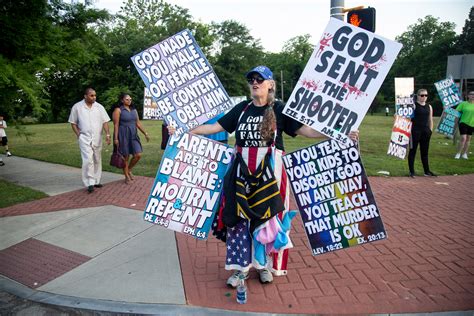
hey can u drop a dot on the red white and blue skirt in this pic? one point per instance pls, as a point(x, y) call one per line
point(239, 241)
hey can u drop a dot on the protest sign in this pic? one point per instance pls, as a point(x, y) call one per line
point(400, 139)
point(185, 195)
point(182, 82)
point(405, 110)
point(341, 79)
point(334, 197)
point(448, 92)
point(404, 102)
point(150, 108)
point(448, 123)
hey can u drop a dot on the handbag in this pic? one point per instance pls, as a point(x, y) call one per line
point(117, 160)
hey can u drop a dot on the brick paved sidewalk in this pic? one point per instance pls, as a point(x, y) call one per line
point(425, 265)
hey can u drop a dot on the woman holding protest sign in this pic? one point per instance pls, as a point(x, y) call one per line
point(126, 123)
point(466, 125)
point(421, 130)
point(257, 236)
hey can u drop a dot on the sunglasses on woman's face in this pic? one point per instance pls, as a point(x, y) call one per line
point(423, 95)
point(259, 80)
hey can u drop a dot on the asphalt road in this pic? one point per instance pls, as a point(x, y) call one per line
point(14, 306)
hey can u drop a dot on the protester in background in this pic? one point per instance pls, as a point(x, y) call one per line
point(126, 123)
point(421, 129)
point(3, 135)
point(88, 118)
point(223, 136)
point(259, 126)
point(466, 125)
point(164, 135)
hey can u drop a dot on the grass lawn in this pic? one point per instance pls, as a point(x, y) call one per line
point(57, 143)
point(11, 194)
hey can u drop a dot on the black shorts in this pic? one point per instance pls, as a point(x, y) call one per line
point(465, 129)
point(4, 141)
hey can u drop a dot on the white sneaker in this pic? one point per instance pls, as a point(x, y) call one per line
point(9, 154)
point(234, 279)
point(457, 156)
point(464, 156)
point(265, 276)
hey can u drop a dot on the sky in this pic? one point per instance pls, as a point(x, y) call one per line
point(276, 21)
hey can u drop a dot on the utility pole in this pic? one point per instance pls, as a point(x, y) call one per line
point(337, 7)
point(281, 85)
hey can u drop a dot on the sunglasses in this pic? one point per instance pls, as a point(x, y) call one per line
point(259, 80)
point(423, 95)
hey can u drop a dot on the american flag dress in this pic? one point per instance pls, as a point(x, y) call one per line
point(239, 241)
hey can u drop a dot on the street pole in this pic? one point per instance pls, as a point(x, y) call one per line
point(281, 85)
point(337, 7)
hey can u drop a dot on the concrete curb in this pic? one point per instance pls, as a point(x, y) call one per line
point(26, 293)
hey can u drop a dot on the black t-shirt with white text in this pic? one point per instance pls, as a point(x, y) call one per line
point(247, 129)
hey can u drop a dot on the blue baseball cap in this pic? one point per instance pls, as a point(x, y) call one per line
point(263, 71)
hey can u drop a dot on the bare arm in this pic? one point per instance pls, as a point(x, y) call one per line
point(76, 129)
point(116, 120)
point(307, 131)
point(311, 133)
point(431, 118)
point(105, 127)
point(140, 127)
point(205, 129)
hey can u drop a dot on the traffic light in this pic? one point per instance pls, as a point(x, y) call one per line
point(364, 18)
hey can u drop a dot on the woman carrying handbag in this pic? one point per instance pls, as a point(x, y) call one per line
point(126, 126)
point(117, 160)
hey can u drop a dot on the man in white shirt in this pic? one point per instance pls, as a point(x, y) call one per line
point(3, 137)
point(88, 118)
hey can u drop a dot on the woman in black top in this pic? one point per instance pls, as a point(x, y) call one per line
point(421, 129)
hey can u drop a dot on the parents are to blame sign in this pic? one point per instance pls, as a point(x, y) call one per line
point(185, 195)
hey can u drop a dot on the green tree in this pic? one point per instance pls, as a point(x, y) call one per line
point(25, 27)
point(42, 42)
point(235, 52)
point(290, 62)
point(138, 25)
point(426, 46)
point(465, 42)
